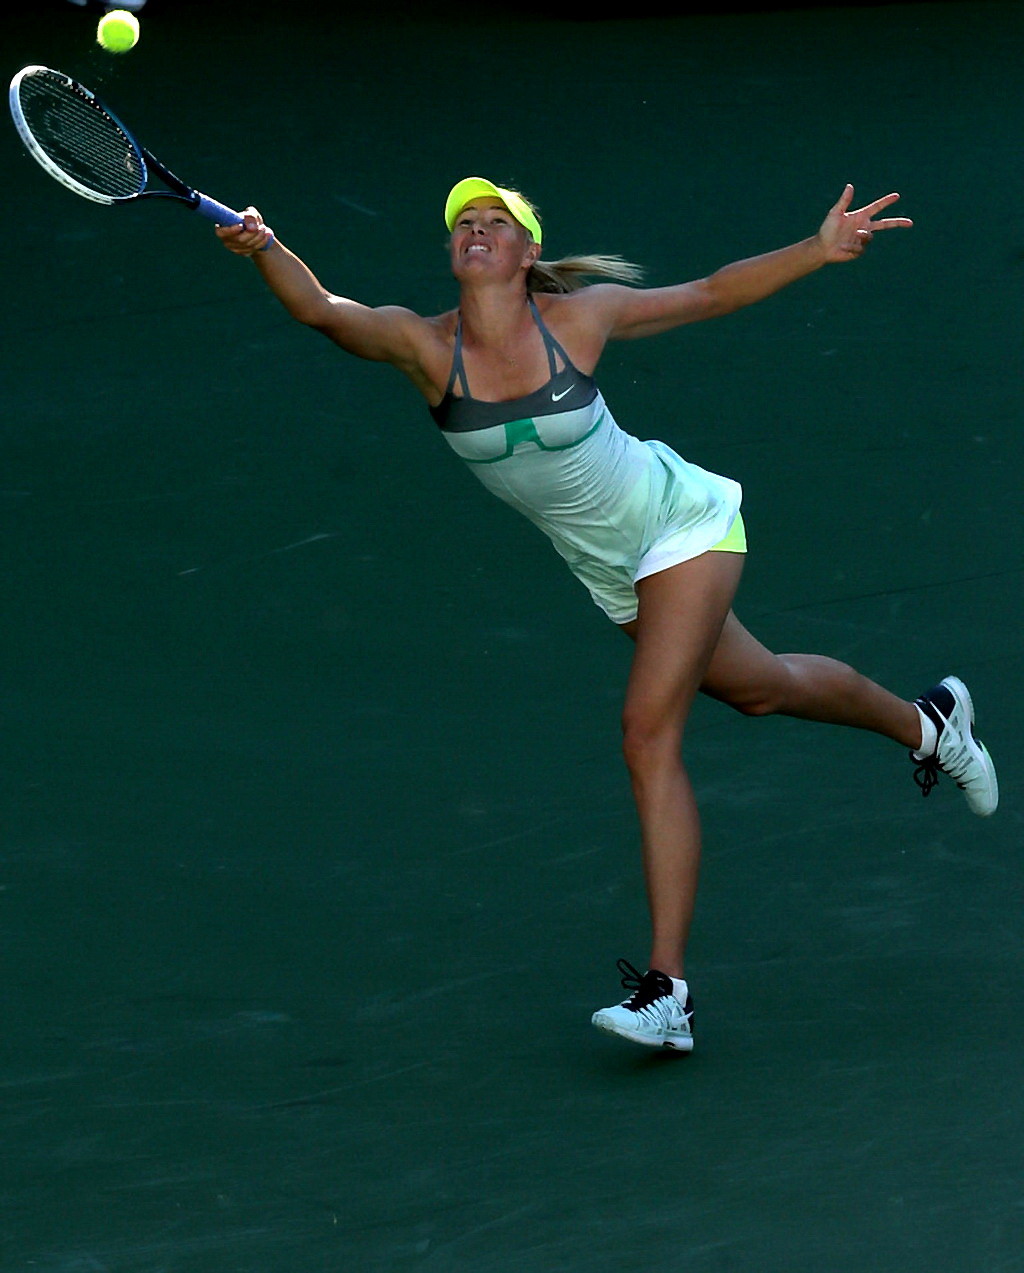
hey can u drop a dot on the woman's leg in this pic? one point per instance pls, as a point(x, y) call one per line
point(748, 677)
point(677, 630)
point(687, 638)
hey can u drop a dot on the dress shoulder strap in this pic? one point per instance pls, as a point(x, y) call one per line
point(458, 371)
point(550, 344)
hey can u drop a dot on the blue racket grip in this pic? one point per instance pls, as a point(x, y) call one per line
point(223, 215)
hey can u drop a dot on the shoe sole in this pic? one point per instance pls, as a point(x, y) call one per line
point(683, 1044)
point(985, 806)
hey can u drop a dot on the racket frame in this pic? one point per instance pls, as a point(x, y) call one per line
point(179, 190)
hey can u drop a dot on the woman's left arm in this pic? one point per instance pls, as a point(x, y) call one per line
point(633, 312)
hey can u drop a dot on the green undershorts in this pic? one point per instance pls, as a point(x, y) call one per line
point(735, 541)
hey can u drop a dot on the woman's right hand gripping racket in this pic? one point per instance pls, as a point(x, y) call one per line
point(83, 145)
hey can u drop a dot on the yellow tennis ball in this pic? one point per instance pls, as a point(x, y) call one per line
point(118, 31)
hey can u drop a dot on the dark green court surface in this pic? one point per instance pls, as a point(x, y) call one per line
point(317, 849)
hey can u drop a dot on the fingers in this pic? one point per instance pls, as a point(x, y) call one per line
point(853, 246)
point(253, 235)
point(871, 210)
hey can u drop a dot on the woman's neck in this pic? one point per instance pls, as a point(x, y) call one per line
point(493, 316)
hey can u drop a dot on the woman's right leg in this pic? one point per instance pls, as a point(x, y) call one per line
point(748, 677)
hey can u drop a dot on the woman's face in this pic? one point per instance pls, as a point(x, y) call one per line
point(488, 241)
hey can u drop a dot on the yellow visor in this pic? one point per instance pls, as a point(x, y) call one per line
point(479, 187)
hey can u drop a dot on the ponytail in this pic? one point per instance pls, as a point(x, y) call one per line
point(571, 272)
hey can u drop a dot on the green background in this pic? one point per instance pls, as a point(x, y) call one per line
point(317, 848)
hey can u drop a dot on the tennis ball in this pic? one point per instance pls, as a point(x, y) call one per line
point(118, 31)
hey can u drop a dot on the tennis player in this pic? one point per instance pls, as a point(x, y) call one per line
point(658, 541)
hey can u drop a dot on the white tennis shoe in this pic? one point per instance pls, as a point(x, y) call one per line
point(658, 1014)
point(958, 753)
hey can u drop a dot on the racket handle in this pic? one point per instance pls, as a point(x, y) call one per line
point(222, 214)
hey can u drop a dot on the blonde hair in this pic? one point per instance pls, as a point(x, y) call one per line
point(572, 272)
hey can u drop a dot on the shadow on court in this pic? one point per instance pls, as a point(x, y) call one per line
point(317, 848)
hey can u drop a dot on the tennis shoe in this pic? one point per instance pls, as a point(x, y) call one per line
point(958, 752)
point(658, 1013)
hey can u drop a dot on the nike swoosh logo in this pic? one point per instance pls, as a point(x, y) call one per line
point(557, 397)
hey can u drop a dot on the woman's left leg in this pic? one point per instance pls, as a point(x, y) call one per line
point(682, 611)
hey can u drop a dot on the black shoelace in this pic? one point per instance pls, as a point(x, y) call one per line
point(926, 775)
point(646, 987)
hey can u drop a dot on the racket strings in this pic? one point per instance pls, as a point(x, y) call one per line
point(80, 137)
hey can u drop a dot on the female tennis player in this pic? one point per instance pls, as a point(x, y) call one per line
point(658, 541)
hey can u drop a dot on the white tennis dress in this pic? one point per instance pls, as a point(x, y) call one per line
point(616, 508)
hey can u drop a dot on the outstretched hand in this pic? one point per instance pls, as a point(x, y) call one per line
point(844, 235)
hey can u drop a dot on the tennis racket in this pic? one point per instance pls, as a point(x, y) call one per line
point(83, 145)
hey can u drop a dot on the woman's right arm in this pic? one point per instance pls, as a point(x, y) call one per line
point(385, 334)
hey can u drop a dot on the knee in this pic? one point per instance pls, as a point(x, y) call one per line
point(768, 695)
point(648, 742)
point(755, 702)
point(790, 684)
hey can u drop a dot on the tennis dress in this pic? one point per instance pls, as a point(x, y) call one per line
point(617, 509)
